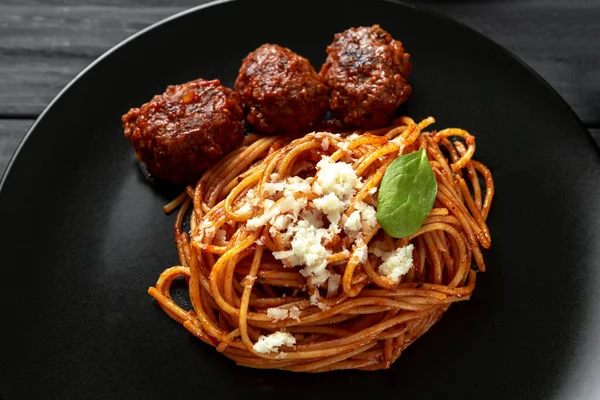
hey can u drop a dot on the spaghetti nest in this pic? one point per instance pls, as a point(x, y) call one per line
point(266, 306)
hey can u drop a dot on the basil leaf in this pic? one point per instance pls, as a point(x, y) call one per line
point(406, 194)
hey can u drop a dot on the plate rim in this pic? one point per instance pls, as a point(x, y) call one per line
point(561, 103)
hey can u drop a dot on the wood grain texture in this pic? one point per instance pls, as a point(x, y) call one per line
point(43, 48)
point(45, 43)
point(560, 40)
point(12, 131)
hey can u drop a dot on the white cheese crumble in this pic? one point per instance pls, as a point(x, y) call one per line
point(396, 263)
point(270, 188)
point(210, 233)
point(272, 342)
point(314, 300)
point(360, 251)
point(268, 212)
point(313, 217)
point(368, 214)
point(364, 215)
point(277, 313)
point(344, 146)
point(288, 204)
point(295, 184)
point(331, 206)
point(378, 248)
point(245, 208)
point(301, 222)
point(336, 177)
point(205, 223)
point(306, 249)
point(291, 204)
point(333, 284)
point(280, 313)
point(250, 202)
point(353, 222)
point(295, 313)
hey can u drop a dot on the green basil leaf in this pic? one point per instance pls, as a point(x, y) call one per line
point(406, 194)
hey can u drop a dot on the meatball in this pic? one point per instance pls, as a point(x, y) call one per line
point(366, 72)
point(182, 132)
point(281, 91)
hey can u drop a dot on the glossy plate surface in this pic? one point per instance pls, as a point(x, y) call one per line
point(84, 235)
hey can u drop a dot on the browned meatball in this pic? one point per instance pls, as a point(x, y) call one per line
point(182, 132)
point(281, 91)
point(366, 72)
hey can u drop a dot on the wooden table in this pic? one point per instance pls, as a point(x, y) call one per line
point(45, 43)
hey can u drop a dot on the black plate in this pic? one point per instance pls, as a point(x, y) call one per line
point(83, 233)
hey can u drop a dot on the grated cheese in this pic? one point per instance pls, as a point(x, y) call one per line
point(314, 300)
point(344, 146)
point(331, 206)
point(397, 263)
point(268, 212)
point(333, 284)
point(307, 250)
point(291, 204)
point(300, 222)
point(368, 214)
point(360, 251)
point(209, 233)
point(313, 217)
point(336, 177)
point(377, 248)
point(295, 313)
point(272, 342)
point(270, 188)
point(246, 208)
point(295, 184)
point(277, 313)
point(353, 223)
point(280, 313)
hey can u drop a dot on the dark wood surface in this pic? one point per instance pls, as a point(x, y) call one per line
point(45, 43)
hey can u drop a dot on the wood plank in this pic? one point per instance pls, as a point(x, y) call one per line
point(113, 3)
point(193, 3)
point(45, 43)
point(42, 48)
point(559, 40)
point(79, 30)
point(12, 132)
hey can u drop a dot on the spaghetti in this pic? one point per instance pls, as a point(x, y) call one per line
point(264, 306)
